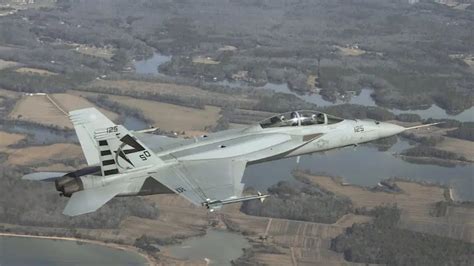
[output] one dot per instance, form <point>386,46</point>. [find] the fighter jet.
<point>206,170</point>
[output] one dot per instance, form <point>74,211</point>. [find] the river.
<point>365,99</point>
<point>366,166</point>
<point>151,65</point>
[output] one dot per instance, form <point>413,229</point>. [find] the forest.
<point>328,45</point>
<point>382,242</point>
<point>39,204</point>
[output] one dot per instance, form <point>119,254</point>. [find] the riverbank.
<point>425,209</point>
<point>150,260</point>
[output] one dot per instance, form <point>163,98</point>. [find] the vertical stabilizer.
<point>86,122</point>
<point>108,164</point>
<point>120,151</point>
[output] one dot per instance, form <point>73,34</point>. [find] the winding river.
<point>365,99</point>
<point>151,65</point>
<point>364,165</point>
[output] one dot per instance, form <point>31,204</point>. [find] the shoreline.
<point>149,259</point>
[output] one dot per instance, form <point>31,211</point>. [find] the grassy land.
<point>458,146</point>
<point>44,154</point>
<point>350,51</point>
<point>8,93</point>
<point>287,242</point>
<point>462,147</point>
<point>7,64</point>
<point>9,139</point>
<point>275,240</point>
<point>204,60</point>
<point>171,117</point>
<point>35,71</point>
<point>51,109</point>
<point>416,202</point>
<point>70,101</point>
<point>168,117</point>
<point>383,242</point>
<point>39,109</point>
<point>101,52</point>
<point>143,89</point>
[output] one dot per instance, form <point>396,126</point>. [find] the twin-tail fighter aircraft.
<point>206,170</point>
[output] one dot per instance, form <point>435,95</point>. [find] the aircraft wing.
<point>158,143</point>
<point>202,181</point>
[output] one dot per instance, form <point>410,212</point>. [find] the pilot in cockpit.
<point>294,118</point>
<point>320,118</point>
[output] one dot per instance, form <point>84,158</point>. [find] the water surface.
<point>365,99</point>
<point>150,65</point>
<point>35,251</point>
<point>217,246</point>
<point>365,166</point>
<point>134,123</point>
<point>41,135</point>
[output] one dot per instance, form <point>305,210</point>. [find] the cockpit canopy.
<point>299,118</point>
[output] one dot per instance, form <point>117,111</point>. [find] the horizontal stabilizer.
<point>43,176</point>
<point>90,200</point>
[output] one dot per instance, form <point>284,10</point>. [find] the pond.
<point>150,66</point>
<point>216,246</point>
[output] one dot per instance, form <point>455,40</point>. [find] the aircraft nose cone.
<point>389,129</point>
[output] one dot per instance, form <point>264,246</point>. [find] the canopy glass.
<point>299,118</point>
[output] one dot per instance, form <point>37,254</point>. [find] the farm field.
<point>7,64</point>
<point>9,139</point>
<point>101,52</point>
<point>416,202</point>
<point>44,112</point>
<point>462,147</point>
<point>40,155</point>
<point>8,93</point>
<point>191,120</point>
<point>51,110</point>
<point>35,71</point>
<point>166,89</point>
<point>70,101</point>
<point>172,117</point>
<point>297,242</point>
